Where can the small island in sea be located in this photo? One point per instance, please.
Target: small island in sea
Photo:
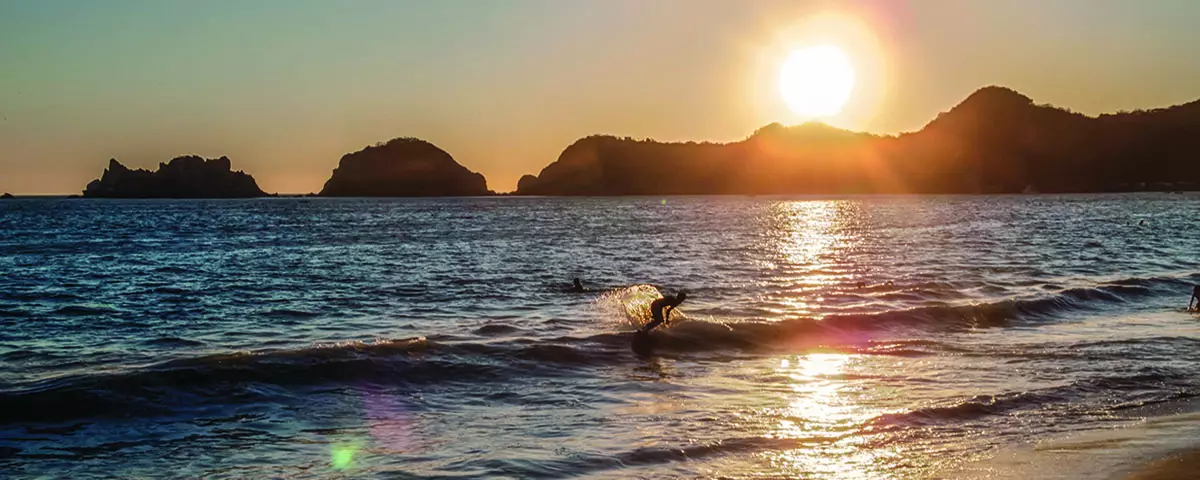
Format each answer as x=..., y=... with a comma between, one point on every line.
x=182, y=177
x=403, y=167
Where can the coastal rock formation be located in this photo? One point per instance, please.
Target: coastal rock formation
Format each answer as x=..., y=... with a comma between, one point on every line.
x=527, y=182
x=7, y=196
x=403, y=167
x=182, y=177
x=995, y=141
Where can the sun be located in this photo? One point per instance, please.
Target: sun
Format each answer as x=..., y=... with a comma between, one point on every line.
x=816, y=81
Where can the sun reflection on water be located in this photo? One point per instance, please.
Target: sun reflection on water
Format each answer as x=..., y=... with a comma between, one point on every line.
x=822, y=406
x=810, y=240
x=811, y=231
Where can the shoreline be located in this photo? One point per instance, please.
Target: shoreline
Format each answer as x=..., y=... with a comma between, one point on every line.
x=1156, y=442
x=1178, y=465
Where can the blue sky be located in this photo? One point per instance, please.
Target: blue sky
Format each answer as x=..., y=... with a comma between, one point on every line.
x=285, y=87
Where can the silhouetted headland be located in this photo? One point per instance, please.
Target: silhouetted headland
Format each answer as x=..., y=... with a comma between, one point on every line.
x=7, y=196
x=995, y=141
x=403, y=167
x=182, y=177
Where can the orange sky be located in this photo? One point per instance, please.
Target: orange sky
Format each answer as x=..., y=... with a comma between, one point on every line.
x=285, y=88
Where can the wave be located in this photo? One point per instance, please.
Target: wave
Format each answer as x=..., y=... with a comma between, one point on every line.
x=496, y=329
x=39, y=296
x=14, y=314
x=234, y=377
x=286, y=313
x=179, y=384
x=631, y=305
x=172, y=342
x=1140, y=342
x=168, y=386
x=84, y=310
x=1123, y=392
x=160, y=389
x=858, y=329
x=25, y=355
x=582, y=463
x=1016, y=311
x=978, y=406
x=188, y=383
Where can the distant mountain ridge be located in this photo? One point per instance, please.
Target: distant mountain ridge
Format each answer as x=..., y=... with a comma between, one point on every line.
x=995, y=141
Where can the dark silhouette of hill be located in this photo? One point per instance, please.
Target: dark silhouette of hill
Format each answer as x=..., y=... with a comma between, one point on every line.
x=403, y=167
x=7, y=196
x=995, y=141
x=182, y=177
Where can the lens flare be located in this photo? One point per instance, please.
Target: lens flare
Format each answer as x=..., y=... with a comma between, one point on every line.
x=342, y=456
x=388, y=419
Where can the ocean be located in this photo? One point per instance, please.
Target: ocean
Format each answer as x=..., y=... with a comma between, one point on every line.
x=856, y=337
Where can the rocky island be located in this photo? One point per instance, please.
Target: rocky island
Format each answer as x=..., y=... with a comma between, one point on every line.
x=995, y=141
x=7, y=196
x=403, y=167
x=182, y=177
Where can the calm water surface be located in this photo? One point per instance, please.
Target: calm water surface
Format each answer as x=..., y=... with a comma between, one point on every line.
x=871, y=337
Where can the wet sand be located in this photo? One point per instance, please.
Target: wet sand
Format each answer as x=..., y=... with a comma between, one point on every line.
x=1161, y=447
x=1180, y=465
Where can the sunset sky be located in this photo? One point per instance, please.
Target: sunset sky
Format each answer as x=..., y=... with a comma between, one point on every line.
x=286, y=87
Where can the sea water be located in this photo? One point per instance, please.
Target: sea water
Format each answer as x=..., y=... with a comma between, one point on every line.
x=859, y=337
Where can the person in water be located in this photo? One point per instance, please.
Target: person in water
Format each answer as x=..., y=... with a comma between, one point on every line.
x=661, y=310
x=577, y=287
x=1195, y=298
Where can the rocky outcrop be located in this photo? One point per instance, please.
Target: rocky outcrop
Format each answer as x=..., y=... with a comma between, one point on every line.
x=182, y=177
x=527, y=182
x=995, y=141
x=403, y=167
x=7, y=196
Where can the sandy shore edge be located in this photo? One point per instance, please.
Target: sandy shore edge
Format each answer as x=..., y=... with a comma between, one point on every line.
x=1179, y=465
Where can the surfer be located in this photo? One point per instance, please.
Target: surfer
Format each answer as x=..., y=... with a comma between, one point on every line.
x=1195, y=298
x=661, y=310
x=577, y=287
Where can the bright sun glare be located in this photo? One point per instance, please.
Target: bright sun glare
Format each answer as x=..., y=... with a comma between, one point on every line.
x=816, y=81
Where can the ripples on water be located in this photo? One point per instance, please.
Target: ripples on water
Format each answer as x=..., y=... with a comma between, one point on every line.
x=874, y=337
